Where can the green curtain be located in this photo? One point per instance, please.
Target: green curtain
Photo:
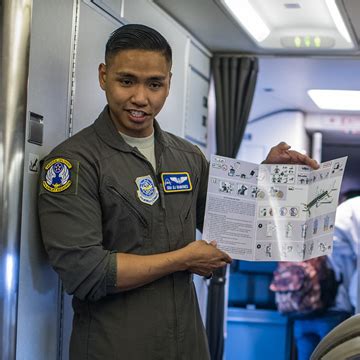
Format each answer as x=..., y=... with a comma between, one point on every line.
x=234, y=81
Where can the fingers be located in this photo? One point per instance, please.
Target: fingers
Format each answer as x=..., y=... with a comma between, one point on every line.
x=207, y=270
x=224, y=263
x=283, y=146
x=203, y=258
x=282, y=154
x=298, y=158
x=277, y=154
x=225, y=257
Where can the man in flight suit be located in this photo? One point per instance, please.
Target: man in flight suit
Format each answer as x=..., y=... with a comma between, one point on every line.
x=119, y=204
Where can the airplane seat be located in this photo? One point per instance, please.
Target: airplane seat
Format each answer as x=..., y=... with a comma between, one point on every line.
x=342, y=343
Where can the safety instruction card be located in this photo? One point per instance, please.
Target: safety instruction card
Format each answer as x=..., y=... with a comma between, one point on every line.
x=272, y=211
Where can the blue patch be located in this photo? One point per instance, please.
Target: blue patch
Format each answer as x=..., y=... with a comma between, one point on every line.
x=147, y=191
x=176, y=182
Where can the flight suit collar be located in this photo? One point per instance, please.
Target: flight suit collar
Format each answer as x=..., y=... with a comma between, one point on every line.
x=106, y=130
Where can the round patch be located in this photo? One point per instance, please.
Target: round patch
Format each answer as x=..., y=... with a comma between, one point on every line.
x=146, y=187
x=57, y=175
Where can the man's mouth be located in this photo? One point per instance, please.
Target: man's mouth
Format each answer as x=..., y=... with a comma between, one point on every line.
x=137, y=114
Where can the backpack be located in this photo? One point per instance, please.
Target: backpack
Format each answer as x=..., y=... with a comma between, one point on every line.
x=304, y=288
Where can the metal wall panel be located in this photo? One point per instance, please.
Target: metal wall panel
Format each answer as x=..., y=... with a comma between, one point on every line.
x=172, y=116
x=89, y=100
x=112, y=7
x=197, y=111
x=94, y=30
x=38, y=309
x=196, y=115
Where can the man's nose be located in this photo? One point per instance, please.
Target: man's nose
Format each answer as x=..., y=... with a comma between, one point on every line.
x=140, y=96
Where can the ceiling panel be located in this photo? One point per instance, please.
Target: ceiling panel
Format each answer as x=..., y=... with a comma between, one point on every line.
x=289, y=76
x=205, y=20
x=352, y=12
x=219, y=32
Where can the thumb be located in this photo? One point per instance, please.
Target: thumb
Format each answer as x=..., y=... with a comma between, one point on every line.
x=284, y=146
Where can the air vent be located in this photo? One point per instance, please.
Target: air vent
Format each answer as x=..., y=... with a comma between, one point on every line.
x=292, y=5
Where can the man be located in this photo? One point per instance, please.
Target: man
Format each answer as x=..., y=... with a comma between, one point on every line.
x=345, y=251
x=118, y=227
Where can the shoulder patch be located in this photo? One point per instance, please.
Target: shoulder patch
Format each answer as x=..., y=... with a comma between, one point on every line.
x=59, y=175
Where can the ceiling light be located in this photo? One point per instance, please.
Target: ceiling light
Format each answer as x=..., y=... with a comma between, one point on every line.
x=246, y=15
x=292, y=5
x=337, y=18
x=297, y=26
x=346, y=100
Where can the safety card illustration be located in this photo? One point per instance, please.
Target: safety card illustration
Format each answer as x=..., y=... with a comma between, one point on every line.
x=272, y=211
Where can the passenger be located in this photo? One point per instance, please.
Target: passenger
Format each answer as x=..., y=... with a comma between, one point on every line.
x=120, y=238
x=309, y=332
x=346, y=246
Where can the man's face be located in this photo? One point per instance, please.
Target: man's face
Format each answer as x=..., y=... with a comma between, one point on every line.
x=136, y=83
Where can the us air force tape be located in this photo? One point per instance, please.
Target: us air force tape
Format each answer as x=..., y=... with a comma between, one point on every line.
x=176, y=182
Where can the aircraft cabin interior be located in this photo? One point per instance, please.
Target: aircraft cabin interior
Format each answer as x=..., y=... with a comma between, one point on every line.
x=288, y=70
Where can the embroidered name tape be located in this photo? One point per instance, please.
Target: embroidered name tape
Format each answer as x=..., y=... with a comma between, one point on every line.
x=57, y=175
x=176, y=182
x=147, y=191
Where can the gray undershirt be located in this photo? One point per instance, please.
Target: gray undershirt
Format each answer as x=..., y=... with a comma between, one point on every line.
x=145, y=145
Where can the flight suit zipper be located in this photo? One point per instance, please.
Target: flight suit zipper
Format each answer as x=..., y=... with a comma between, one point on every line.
x=159, y=185
x=137, y=153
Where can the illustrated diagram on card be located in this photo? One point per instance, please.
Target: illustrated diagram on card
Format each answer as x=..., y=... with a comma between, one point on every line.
x=272, y=211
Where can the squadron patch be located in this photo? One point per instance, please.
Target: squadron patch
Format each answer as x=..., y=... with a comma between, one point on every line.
x=147, y=191
x=57, y=175
x=176, y=182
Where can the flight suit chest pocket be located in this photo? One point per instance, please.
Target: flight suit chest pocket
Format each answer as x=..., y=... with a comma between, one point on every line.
x=188, y=218
x=126, y=225
x=181, y=207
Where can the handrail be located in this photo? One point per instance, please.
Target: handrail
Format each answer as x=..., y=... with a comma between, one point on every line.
x=15, y=21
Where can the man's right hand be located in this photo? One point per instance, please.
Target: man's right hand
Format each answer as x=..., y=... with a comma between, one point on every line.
x=203, y=258
x=198, y=257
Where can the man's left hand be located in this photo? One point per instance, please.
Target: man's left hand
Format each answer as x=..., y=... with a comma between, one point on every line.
x=281, y=154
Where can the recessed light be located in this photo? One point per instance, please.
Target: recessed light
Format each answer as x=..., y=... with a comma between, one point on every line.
x=292, y=5
x=248, y=17
x=344, y=100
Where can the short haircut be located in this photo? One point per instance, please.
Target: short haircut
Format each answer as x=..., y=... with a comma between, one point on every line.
x=137, y=37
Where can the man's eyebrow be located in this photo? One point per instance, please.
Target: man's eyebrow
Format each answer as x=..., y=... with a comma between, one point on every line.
x=121, y=73
x=151, y=78
x=158, y=78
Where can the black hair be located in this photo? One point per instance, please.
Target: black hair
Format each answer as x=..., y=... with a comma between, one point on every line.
x=137, y=37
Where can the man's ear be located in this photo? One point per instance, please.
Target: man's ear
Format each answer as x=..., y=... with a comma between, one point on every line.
x=102, y=75
x=170, y=76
